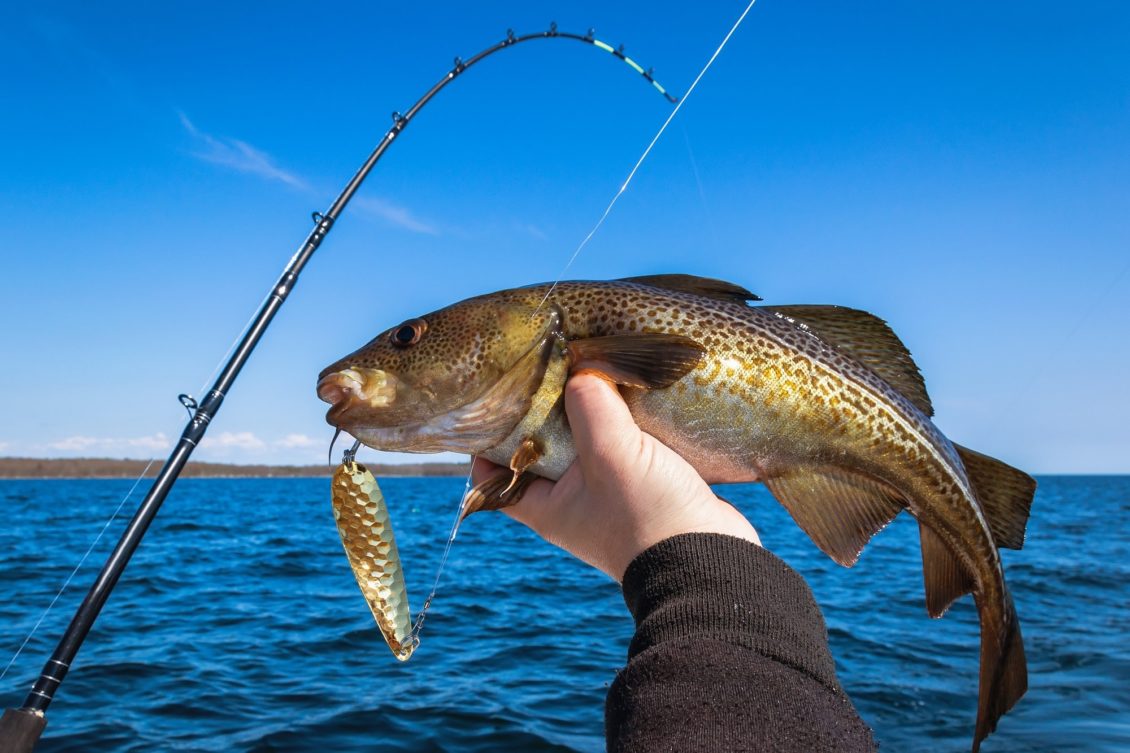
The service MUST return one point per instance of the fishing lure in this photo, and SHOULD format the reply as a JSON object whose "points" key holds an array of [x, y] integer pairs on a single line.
{"points": [[366, 533]]}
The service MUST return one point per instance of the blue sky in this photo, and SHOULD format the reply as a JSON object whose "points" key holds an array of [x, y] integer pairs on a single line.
{"points": [[959, 169]]}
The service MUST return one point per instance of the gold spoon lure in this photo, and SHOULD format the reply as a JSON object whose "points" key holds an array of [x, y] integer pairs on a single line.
{"points": [[366, 533]]}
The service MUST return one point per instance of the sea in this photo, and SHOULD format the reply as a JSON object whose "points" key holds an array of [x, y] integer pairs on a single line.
{"points": [[238, 625]]}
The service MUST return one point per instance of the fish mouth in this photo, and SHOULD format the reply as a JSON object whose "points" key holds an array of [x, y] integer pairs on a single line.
{"points": [[349, 388]]}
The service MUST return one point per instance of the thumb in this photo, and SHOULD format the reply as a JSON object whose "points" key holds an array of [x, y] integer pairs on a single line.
{"points": [[601, 423]]}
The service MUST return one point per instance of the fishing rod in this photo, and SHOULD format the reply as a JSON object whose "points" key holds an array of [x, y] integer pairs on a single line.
{"points": [[21, 728]]}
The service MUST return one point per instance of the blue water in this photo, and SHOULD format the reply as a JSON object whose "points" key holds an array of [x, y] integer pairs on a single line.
{"points": [[238, 626]]}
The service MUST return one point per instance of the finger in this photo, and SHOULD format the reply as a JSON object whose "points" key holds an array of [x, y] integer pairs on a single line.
{"points": [[530, 509], [534, 508], [482, 469], [601, 423]]}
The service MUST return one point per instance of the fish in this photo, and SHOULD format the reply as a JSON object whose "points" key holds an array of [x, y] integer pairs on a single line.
{"points": [[821, 403]]}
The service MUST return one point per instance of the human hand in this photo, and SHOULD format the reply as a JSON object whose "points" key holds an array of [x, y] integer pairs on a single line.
{"points": [[625, 492]]}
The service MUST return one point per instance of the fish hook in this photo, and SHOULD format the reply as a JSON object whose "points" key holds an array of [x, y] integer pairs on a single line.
{"points": [[348, 456]]}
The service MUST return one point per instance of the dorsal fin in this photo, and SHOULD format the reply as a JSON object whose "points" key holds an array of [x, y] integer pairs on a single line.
{"points": [[1004, 492], [946, 580], [839, 510], [704, 286], [866, 338]]}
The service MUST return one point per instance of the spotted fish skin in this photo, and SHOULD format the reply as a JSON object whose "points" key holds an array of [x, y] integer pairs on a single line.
{"points": [[366, 533], [822, 404]]}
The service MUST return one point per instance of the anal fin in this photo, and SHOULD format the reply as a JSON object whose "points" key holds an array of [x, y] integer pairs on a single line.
{"points": [[1004, 492], [946, 580], [838, 509]]}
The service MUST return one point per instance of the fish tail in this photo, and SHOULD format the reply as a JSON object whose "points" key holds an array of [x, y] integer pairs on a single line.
{"points": [[1004, 670]]}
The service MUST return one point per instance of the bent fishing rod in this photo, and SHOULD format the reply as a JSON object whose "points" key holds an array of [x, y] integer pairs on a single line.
{"points": [[21, 728]]}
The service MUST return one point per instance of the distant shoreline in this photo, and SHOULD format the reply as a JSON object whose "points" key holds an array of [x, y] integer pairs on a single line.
{"points": [[79, 468]]}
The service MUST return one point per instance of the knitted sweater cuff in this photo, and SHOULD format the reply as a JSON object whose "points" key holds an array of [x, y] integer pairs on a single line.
{"points": [[717, 587]]}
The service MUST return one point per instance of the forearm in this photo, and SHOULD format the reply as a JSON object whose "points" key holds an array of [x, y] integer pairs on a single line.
{"points": [[730, 653]]}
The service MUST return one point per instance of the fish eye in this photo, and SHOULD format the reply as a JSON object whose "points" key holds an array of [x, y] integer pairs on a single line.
{"points": [[408, 333]]}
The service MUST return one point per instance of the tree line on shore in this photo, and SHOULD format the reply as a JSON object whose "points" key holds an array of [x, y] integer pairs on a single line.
{"points": [[125, 468]]}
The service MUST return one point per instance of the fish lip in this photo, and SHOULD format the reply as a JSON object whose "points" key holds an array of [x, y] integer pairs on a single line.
{"points": [[340, 389], [337, 409], [331, 382], [346, 388]]}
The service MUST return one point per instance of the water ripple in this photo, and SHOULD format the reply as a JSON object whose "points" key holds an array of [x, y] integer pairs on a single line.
{"points": [[238, 626]]}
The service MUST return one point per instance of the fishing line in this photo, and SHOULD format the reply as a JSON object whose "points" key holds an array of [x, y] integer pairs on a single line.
{"points": [[189, 405], [28, 720], [238, 338], [698, 182], [78, 567], [646, 152], [412, 640], [414, 635], [418, 625], [121, 504]]}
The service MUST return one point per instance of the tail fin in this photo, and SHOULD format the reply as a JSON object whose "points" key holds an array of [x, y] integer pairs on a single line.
{"points": [[1004, 670]]}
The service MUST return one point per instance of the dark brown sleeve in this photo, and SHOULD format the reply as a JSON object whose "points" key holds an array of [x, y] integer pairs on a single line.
{"points": [[730, 654]]}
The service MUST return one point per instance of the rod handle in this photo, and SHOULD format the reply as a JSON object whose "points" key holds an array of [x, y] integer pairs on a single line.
{"points": [[20, 730]]}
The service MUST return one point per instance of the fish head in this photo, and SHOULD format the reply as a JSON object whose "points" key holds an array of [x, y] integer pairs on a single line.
{"points": [[457, 379]]}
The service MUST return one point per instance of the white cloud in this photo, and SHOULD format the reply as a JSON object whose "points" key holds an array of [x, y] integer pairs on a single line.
{"points": [[245, 158], [241, 440], [77, 443], [82, 443], [298, 441], [156, 442], [238, 155], [223, 447], [393, 214]]}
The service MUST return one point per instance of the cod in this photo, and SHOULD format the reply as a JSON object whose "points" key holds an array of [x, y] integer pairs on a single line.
{"points": [[822, 404]]}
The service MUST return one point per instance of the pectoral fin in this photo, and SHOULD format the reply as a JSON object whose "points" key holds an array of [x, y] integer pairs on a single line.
{"points": [[946, 580], [1005, 495], [839, 510], [651, 361]]}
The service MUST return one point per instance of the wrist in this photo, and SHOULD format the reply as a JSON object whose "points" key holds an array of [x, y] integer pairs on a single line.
{"points": [[707, 515]]}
